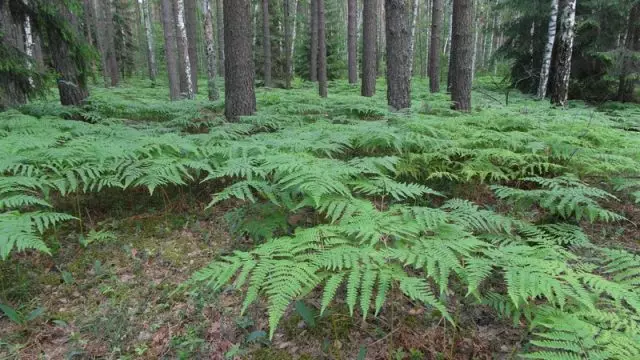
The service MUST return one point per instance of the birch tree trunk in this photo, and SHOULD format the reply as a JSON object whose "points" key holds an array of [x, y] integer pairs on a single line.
{"points": [[183, 48], [288, 50], [151, 55], [476, 31], [170, 48], [266, 43], [565, 49], [322, 50], [412, 42], [352, 40], [211, 52], [630, 46], [548, 51], [369, 25], [382, 40], [294, 34]]}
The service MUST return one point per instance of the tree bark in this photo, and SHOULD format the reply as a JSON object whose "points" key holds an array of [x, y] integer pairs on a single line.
{"points": [[382, 40], [313, 61], [322, 51], [476, 32], [462, 54], [369, 56], [288, 48], [266, 43], [352, 40], [191, 24], [98, 17], [239, 92], [211, 52], [112, 56], [170, 48], [437, 18], [151, 55], [183, 48], [548, 51], [565, 49], [412, 42], [72, 81], [398, 37], [220, 25]]}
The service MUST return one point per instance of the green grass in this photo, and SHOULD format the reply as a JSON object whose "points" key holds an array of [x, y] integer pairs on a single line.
{"points": [[343, 201]]}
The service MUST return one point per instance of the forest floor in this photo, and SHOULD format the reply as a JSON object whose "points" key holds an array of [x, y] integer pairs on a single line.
{"points": [[112, 288]]}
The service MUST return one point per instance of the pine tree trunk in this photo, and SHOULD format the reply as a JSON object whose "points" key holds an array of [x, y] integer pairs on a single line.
{"points": [[398, 37], [211, 52], [462, 54], [170, 48], [151, 55], [352, 40], [369, 56], [288, 49], [322, 51], [72, 82], [437, 18], [412, 41], [220, 25], [565, 49], [313, 61], [88, 31], [266, 43], [191, 24], [239, 92], [183, 48]]}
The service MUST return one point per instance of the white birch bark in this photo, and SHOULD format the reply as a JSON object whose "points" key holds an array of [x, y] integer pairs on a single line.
{"points": [[548, 50], [412, 43], [294, 33], [474, 57], [565, 49], [182, 32]]}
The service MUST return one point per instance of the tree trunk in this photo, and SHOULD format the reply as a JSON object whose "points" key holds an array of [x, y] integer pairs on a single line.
{"points": [[170, 48], [382, 40], [369, 57], [398, 37], [266, 43], [112, 56], [631, 45], [322, 51], [313, 61], [412, 41], [563, 59], [101, 41], [462, 54], [183, 48], [437, 18], [72, 81], [211, 52], [352, 40], [297, 11], [548, 51], [476, 32], [151, 55], [220, 25], [239, 92], [191, 24], [288, 49], [180, 42]]}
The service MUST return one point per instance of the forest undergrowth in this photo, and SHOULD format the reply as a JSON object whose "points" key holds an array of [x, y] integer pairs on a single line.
{"points": [[134, 227]]}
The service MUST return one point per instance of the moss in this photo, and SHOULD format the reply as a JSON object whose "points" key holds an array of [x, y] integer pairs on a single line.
{"points": [[271, 354]]}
